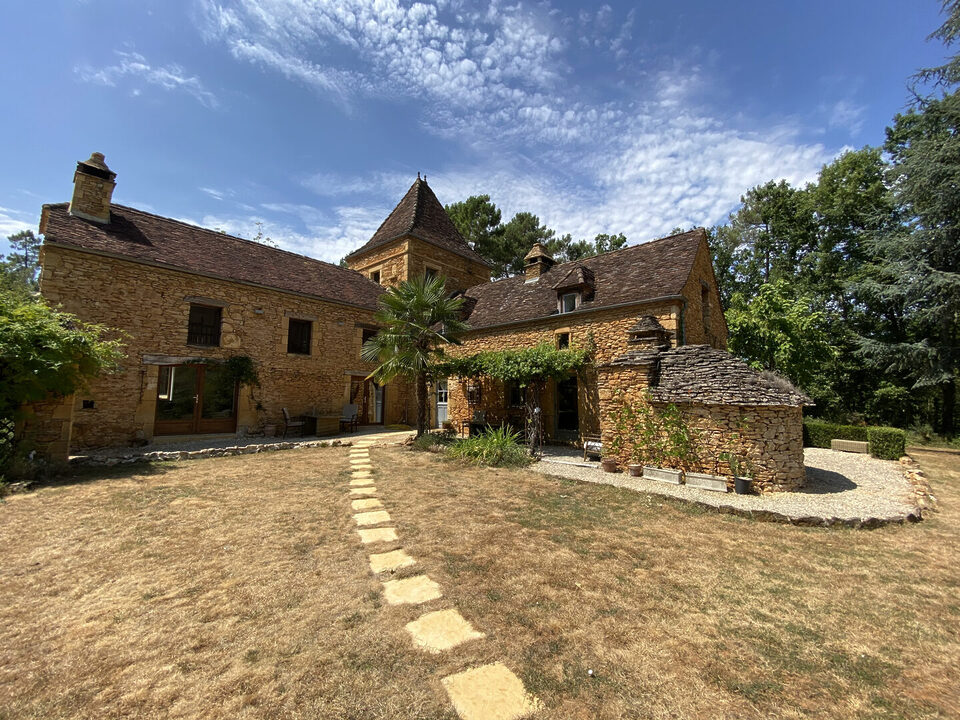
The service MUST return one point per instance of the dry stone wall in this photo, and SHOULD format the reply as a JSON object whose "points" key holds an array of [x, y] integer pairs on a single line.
{"points": [[150, 306], [699, 327], [769, 438]]}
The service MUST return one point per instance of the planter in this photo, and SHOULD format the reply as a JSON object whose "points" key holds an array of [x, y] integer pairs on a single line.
{"points": [[674, 477], [706, 482], [635, 470], [609, 465], [269, 430], [741, 485]]}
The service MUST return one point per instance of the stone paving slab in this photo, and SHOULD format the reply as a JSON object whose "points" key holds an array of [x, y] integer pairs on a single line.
{"points": [[489, 692], [374, 517], [369, 490], [361, 481], [366, 504], [390, 561], [411, 591], [441, 630], [377, 535]]}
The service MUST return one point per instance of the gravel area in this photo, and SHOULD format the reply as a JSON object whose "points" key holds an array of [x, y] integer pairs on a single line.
{"points": [[841, 488]]}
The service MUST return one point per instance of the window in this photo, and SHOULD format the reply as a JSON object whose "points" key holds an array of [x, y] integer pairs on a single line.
{"points": [[569, 302], [514, 395], [204, 326], [375, 276], [369, 334], [298, 336], [563, 340], [473, 394], [430, 273]]}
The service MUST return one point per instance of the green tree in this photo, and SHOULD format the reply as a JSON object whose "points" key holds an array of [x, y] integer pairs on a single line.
{"points": [[20, 268], [778, 330], [44, 351], [565, 248], [916, 266], [478, 220], [416, 318], [948, 74], [519, 235]]}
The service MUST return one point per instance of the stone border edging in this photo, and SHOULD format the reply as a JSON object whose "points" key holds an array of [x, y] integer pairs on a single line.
{"points": [[926, 500], [854, 523], [168, 455]]}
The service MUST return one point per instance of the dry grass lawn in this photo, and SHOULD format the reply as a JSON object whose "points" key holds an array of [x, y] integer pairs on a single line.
{"points": [[238, 587]]}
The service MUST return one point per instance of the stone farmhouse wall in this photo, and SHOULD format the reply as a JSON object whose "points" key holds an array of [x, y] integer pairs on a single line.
{"points": [[605, 329], [703, 322], [151, 306], [410, 257], [771, 437]]}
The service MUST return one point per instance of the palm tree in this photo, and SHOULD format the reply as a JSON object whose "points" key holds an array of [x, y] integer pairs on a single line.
{"points": [[416, 318]]}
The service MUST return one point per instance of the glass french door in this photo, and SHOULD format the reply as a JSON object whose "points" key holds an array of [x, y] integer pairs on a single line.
{"points": [[443, 399], [195, 399], [568, 416]]}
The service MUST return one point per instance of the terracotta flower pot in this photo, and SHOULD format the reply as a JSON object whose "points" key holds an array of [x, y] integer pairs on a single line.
{"points": [[609, 465], [635, 470]]}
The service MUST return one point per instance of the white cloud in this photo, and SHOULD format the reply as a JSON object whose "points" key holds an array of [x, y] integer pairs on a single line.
{"points": [[13, 221], [846, 114], [499, 80], [134, 66]]}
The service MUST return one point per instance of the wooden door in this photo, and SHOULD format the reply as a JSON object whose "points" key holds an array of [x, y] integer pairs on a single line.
{"points": [[195, 398]]}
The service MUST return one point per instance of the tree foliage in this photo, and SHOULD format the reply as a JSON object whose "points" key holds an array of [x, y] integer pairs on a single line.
{"points": [[20, 268], [44, 351], [416, 319]]}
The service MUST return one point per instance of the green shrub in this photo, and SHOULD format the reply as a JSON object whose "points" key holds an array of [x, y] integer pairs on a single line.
{"points": [[819, 433], [498, 447], [887, 443], [431, 442]]}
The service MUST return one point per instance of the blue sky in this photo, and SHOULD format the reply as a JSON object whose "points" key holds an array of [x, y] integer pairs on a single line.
{"points": [[314, 118]]}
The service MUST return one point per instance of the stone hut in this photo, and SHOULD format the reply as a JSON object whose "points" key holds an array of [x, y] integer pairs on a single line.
{"points": [[731, 406]]}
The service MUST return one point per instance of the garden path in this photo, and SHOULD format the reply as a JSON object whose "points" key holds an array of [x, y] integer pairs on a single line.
{"points": [[488, 692]]}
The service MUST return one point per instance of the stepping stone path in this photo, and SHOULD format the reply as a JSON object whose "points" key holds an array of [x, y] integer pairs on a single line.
{"points": [[488, 692]]}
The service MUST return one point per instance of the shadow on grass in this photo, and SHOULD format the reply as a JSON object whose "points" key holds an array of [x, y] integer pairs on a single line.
{"points": [[83, 475]]}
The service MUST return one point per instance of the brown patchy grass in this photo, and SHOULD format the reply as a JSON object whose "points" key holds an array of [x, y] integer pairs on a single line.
{"points": [[237, 587]]}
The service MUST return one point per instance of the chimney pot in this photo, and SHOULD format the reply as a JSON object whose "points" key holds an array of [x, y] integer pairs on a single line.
{"points": [[537, 262]]}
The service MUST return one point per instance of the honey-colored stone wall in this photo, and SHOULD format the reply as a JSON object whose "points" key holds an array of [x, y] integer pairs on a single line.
{"points": [[770, 439], [151, 306], [91, 196], [45, 427], [390, 261], [695, 330], [605, 330], [410, 257]]}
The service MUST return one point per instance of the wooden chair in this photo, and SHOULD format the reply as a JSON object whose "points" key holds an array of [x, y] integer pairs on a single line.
{"points": [[291, 423], [348, 418], [592, 446]]}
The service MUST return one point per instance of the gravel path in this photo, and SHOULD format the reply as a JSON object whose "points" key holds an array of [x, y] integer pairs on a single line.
{"points": [[842, 488]]}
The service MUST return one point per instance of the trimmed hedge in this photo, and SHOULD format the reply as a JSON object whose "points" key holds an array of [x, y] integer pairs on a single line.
{"points": [[886, 443], [819, 433]]}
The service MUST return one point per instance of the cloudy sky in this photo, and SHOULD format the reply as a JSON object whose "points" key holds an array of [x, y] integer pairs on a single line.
{"points": [[313, 118]]}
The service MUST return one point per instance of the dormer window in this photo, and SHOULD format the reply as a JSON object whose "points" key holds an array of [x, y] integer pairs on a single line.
{"points": [[569, 302]]}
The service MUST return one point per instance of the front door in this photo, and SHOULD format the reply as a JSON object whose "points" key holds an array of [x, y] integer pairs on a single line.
{"points": [[568, 417], [443, 398], [195, 399], [378, 403]]}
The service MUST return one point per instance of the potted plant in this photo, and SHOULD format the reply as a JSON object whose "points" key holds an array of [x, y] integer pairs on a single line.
{"points": [[611, 450], [741, 471]]}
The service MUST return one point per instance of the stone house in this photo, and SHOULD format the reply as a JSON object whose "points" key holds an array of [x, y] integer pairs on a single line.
{"points": [[188, 298]]}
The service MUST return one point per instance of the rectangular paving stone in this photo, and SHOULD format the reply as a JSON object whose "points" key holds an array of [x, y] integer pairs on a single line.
{"points": [[489, 692], [374, 517], [411, 591], [373, 535], [441, 630], [361, 467], [369, 490], [366, 504], [361, 481], [390, 561]]}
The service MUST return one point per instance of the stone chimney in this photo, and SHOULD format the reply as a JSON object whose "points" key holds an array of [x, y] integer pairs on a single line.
{"points": [[648, 334], [537, 262], [93, 184]]}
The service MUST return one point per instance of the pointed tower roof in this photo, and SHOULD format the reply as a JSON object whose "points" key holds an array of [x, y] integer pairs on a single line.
{"points": [[421, 215]]}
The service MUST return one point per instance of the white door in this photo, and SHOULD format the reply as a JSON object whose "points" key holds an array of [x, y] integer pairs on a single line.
{"points": [[442, 398], [378, 403]]}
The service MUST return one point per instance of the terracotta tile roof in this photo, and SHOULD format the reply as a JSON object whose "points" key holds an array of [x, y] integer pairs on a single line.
{"points": [[143, 237], [703, 374], [633, 274], [420, 214]]}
